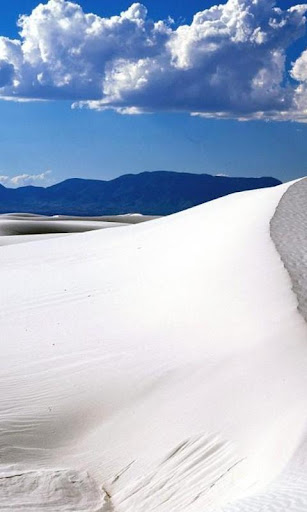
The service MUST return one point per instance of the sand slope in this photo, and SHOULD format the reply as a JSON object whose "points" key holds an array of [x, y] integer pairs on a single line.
{"points": [[156, 368]]}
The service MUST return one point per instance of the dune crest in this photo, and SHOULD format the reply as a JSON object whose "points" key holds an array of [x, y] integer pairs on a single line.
{"points": [[289, 233]]}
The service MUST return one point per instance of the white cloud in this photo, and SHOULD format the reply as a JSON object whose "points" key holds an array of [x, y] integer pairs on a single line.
{"points": [[229, 62], [21, 180], [4, 179], [63, 52]]}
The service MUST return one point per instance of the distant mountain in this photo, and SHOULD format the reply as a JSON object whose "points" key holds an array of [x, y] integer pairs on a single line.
{"points": [[152, 193]]}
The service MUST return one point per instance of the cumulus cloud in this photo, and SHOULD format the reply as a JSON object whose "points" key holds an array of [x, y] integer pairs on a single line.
{"points": [[229, 62], [21, 180], [63, 52]]}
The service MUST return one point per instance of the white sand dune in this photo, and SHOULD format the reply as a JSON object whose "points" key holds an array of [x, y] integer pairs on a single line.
{"points": [[160, 368]]}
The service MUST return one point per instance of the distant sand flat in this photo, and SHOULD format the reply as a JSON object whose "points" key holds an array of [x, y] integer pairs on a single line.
{"points": [[17, 228], [158, 367]]}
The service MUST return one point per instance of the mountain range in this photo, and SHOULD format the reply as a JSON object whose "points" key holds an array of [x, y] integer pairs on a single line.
{"points": [[151, 193]]}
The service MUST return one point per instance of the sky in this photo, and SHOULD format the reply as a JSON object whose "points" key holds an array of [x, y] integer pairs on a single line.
{"points": [[100, 88]]}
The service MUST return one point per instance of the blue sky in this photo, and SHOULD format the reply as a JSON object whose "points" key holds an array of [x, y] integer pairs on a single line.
{"points": [[47, 141], [157, 9]]}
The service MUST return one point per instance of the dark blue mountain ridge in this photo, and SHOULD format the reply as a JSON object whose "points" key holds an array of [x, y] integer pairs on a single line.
{"points": [[149, 193]]}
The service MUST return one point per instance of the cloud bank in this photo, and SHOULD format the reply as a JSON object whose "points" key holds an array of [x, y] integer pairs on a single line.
{"points": [[229, 62], [21, 180]]}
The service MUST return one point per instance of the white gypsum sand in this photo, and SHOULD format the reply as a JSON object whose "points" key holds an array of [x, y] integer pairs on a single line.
{"points": [[156, 368], [9, 227], [18, 228], [289, 233]]}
